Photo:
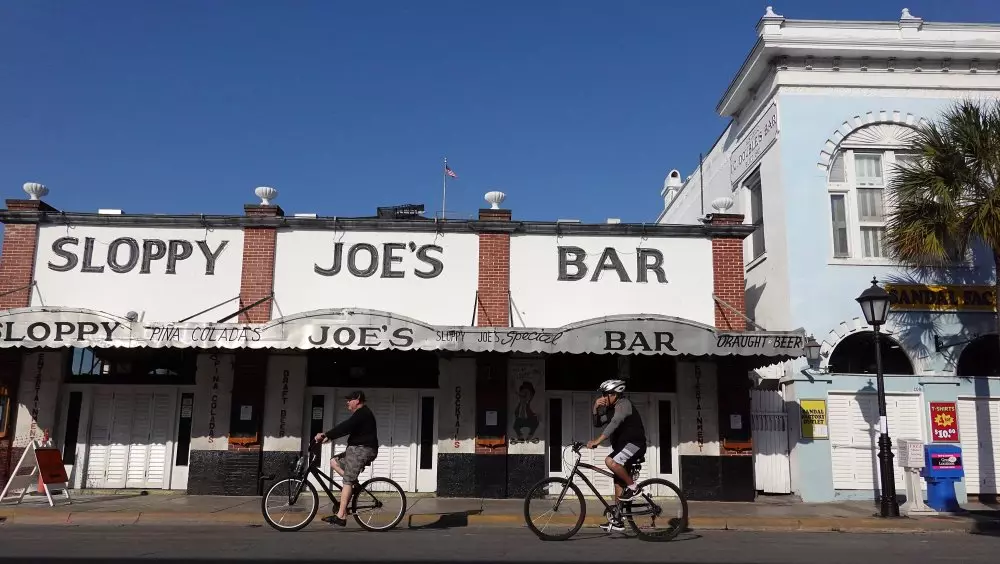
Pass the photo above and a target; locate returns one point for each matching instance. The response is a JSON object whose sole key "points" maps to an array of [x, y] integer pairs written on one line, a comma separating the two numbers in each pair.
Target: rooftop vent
{"points": [[405, 211]]}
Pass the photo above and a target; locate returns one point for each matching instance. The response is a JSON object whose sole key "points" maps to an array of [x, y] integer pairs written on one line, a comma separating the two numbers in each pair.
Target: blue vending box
{"points": [[942, 468]]}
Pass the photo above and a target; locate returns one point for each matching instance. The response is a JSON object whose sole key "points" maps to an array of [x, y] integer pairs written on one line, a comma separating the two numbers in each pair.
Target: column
{"points": [[283, 417], [17, 260]]}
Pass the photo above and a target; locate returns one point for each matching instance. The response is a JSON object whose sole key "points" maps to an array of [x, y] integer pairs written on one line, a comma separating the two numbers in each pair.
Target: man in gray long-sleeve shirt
{"points": [[625, 429]]}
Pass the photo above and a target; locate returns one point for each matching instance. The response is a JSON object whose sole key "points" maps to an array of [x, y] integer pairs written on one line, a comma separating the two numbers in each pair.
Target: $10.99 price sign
{"points": [[944, 422]]}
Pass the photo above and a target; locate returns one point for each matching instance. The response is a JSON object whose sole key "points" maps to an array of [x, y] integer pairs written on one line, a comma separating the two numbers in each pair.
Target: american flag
{"points": [[449, 172]]}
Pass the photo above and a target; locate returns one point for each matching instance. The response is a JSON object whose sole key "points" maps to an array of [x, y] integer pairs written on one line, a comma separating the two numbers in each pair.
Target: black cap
{"points": [[357, 394]]}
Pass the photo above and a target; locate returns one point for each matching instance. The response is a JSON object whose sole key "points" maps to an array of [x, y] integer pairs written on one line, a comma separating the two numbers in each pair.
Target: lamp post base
{"points": [[888, 504]]}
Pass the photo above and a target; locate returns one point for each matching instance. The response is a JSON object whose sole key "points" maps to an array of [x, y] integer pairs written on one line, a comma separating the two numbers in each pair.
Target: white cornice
{"points": [[908, 38]]}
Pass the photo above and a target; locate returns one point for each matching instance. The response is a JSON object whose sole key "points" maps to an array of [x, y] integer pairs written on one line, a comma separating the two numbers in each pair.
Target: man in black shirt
{"points": [[362, 449]]}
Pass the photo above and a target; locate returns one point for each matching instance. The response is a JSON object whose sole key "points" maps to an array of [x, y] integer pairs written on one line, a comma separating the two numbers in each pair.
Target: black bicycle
{"points": [[296, 495], [550, 495]]}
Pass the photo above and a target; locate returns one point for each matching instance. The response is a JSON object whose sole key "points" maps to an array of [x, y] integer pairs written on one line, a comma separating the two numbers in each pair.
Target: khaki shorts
{"points": [[353, 460]]}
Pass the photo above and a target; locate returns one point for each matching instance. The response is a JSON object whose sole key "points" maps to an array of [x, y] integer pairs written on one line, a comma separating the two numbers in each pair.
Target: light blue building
{"points": [[821, 111]]}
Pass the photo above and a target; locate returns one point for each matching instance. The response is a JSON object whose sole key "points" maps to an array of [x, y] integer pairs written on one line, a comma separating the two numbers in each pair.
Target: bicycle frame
{"points": [[617, 507], [314, 471]]}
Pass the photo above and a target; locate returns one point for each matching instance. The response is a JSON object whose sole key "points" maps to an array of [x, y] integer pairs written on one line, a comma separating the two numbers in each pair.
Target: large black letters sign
{"points": [[646, 261], [136, 254]]}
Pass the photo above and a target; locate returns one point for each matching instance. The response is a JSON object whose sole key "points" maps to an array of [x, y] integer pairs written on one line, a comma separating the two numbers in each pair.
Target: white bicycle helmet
{"points": [[612, 386]]}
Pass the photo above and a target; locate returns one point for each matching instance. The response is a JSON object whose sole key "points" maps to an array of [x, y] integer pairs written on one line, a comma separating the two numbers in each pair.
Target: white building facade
{"points": [[821, 112], [200, 353]]}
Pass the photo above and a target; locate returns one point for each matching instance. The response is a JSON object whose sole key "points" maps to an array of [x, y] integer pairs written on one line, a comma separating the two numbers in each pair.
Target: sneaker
{"points": [[628, 494], [334, 520], [613, 527]]}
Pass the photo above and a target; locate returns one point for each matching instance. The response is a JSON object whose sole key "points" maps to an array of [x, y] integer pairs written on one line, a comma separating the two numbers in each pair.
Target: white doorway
{"points": [[132, 431]]}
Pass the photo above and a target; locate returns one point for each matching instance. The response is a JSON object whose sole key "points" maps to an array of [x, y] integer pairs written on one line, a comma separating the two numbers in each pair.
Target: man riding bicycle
{"points": [[628, 439], [362, 449]]}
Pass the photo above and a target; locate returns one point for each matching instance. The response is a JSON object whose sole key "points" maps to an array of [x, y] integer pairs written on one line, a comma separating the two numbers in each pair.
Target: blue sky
{"points": [[574, 108]]}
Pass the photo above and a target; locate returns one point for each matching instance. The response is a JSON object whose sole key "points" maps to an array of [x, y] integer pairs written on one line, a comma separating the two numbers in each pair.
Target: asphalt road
{"points": [[223, 544]]}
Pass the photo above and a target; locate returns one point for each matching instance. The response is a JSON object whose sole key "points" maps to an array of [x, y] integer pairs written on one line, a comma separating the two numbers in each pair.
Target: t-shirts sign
{"points": [[944, 422]]}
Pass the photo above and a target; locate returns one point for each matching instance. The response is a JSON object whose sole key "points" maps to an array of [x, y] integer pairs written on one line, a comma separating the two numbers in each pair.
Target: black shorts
{"points": [[628, 453]]}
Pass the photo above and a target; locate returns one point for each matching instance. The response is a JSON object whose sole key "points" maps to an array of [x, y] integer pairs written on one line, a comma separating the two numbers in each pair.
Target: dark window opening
{"points": [[4, 410], [426, 433], [666, 438], [184, 429], [133, 366], [316, 415], [756, 215], [981, 357], [585, 372], [373, 369], [856, 355], [555, 434], [72, 427]]}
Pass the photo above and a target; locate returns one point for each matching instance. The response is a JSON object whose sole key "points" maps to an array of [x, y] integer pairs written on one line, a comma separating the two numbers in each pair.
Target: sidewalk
{"points": [[767, 514]]}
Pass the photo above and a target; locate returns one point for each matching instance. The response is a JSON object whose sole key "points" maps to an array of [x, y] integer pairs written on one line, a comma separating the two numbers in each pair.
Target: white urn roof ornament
{"points": [[266, 194], [34, 190], [495, 198], [722, 205]]}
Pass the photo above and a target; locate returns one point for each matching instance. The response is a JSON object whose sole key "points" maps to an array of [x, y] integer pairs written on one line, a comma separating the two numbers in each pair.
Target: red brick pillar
{"points": [[493, 306], [735, 466], [17, 259], [17, 272], [258, 263], [249, 380], [729, 282]]}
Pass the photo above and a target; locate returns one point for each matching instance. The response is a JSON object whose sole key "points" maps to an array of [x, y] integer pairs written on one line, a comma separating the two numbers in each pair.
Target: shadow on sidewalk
{"points": [[453, 520], [985, 521]]}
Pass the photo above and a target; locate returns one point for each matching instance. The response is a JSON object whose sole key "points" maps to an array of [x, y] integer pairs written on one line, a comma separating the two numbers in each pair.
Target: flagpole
{"points": [[444, 186]]}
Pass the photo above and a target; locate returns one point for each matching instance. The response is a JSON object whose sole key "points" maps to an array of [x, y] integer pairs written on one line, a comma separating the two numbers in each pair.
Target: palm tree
{"points": [[948, 198]]}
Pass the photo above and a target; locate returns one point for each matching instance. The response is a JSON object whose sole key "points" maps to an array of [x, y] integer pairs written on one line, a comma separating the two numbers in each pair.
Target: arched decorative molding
{"points": [[874, 128], [858, 325]]}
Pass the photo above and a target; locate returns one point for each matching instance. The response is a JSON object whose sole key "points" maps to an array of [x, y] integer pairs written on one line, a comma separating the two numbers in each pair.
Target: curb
{"points": [[42, 516]]}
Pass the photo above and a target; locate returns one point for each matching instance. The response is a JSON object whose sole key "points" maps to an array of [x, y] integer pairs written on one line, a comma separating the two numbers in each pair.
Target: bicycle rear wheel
{"points": [[545, 498], [292, 499], [659, 513], [378, 497]]}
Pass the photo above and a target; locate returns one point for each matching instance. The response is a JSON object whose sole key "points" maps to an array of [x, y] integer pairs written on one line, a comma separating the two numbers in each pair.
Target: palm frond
{"points": [[949, 197]]}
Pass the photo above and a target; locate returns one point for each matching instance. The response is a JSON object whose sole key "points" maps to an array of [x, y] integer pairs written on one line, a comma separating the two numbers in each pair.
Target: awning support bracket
{"points": [[190, 317], [737, 312], [475, 304], [8, 292], [247, 308]]}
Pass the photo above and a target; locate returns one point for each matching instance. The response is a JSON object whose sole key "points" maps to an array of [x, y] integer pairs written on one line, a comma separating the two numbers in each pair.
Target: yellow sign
{"points": [[919, 297], [814, 424]]}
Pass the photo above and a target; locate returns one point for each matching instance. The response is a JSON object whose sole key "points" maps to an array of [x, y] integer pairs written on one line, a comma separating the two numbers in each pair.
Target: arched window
{"points": [[859, 173], [856, 355], [981, 357]]}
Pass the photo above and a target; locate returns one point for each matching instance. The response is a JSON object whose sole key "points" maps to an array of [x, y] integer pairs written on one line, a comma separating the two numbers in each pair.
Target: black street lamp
{"points": [[812, 349], [875, 305]]}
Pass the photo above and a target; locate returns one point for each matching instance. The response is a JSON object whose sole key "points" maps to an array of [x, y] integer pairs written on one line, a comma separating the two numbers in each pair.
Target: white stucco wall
{"points": [[447, 298], [541, 299], [146, 284]]}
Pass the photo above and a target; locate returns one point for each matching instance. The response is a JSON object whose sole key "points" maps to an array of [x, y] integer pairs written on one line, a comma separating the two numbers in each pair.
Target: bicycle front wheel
{"points": [[290, 504], [556, 510], [659, 512], [378, 504]]}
